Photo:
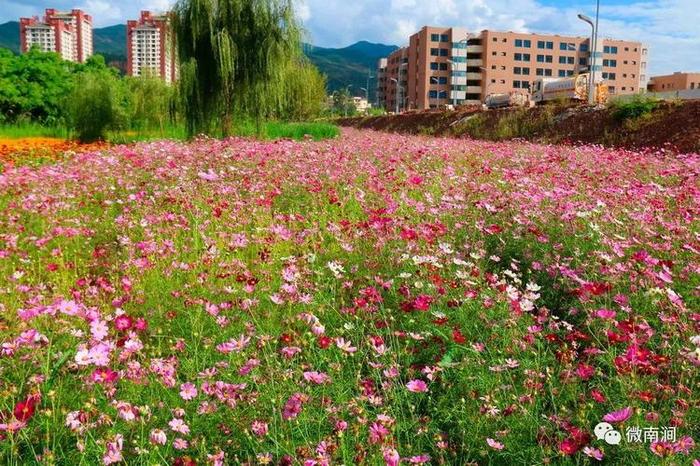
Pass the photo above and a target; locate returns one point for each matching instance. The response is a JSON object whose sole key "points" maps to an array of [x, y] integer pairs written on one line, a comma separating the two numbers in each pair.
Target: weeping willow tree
{"points": [[232, 54]]}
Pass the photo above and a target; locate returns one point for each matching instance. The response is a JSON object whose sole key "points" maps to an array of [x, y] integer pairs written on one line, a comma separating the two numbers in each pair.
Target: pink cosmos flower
{"points": [[179, 426], [180, 444], [593, 453], [259, 428], [318, 378], [114, 451], [188, 391], [123, 322], [419, 459], [605, 314], [158, 437], [618, 416], [391, 456], [496, 445], [417, 386]]}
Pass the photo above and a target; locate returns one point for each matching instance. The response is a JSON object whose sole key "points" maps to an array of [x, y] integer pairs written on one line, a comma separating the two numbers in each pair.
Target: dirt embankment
{"points": [[673, 126]]}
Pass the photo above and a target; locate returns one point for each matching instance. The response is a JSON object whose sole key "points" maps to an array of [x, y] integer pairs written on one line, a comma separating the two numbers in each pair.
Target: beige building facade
{"points": [[451, 66], [677, 81]]}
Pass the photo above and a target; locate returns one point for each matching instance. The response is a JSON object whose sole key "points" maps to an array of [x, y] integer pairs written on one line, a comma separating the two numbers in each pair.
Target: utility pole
{"points": [[591, 53]]}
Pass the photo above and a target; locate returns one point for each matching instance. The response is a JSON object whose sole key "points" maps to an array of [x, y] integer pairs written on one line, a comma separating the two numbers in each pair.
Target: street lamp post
{"points": [[591, 74], [366, 94], [399, 87]]}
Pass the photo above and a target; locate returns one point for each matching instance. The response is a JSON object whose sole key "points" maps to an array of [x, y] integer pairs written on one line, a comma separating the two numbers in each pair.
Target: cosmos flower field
{"points": [[374, 299]]}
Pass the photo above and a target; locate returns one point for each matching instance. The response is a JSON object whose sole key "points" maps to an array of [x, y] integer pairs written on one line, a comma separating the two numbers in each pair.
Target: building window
{"points": [[610, 49], [442, 80], [495, 39], [435, 52], [539, 72], [562, 73], [611, 89], [444, 52], [610, 63], [444, 38], [540, 58], [443, 66], [583, 61], [526, 71], [518, 42], [548, 59], [434, 66], [583, 48], [567, 46], [517, 70], [540, 44], [442, 95], [518, 57], [494, 53], [435, 37], [525, 43], [516, 84], [548, 72], [433, 94]]}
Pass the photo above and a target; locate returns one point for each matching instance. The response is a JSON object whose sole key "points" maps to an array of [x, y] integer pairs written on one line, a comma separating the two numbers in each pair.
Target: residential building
{"points": [[150, 47], [66, 33], [453, 66], [678, 81]]}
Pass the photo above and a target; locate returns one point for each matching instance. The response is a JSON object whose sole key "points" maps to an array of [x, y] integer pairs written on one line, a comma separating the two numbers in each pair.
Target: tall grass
{"points": [[266, 130], [32, 130], [285, 130]]}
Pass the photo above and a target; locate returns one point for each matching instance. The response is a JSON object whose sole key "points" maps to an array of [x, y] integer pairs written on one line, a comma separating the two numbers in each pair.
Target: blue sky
{"points": [[671, 28]]}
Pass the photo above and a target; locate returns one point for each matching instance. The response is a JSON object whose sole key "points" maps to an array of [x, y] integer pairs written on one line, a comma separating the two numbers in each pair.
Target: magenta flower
{"points": [[188, 391], [618, 416], [417, 386], [495, 444]]}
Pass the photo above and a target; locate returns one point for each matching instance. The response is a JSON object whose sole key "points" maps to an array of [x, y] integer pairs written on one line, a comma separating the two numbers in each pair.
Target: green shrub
{"points": [[93, 106], [636, 107]]}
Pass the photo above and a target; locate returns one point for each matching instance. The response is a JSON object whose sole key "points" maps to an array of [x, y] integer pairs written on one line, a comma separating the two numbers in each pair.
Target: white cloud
{"points": [[671, 28]]}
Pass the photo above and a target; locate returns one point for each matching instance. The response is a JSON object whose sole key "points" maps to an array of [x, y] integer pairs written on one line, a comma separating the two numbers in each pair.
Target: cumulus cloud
{"points": [[668, 27]]}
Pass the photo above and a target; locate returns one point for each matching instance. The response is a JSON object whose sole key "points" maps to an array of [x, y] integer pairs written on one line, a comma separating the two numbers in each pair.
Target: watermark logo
{"points": [[605, 431], [634, 434]]}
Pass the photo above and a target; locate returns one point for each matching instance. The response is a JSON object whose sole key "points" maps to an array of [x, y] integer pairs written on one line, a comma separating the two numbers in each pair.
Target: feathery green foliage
{"points": [[232, 54]]}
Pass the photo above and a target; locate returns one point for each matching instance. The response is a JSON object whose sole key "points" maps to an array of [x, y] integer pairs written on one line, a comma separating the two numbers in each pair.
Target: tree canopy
{"points": [[232, 55]]}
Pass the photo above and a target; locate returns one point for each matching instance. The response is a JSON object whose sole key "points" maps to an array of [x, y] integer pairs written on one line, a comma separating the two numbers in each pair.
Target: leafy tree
{"points": [[150, 103], [33, 86], [95, 105], [342, 103], [302, 91], [232, 53]]}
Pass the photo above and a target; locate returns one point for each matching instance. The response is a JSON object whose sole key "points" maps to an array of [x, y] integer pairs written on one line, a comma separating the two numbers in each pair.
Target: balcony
{"points": [[476, 49], [475, 62], [474, 76]]}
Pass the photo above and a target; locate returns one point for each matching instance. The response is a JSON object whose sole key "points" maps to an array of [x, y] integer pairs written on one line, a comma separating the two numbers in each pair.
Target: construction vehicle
{"points": [[569, 88], [503, 100]]}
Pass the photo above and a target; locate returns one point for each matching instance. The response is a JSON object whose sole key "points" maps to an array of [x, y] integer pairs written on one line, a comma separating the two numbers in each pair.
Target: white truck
{"points": [[503, 100], [570, 88]]}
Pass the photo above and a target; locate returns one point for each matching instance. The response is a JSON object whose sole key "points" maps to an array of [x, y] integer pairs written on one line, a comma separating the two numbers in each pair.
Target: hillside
{"points": [[9, 35], [346, 66], [349, 65]]}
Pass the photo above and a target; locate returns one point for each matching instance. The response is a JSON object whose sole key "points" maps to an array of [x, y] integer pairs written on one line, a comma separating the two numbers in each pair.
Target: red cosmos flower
{"points": [[123, 323], [598, 396], [457, 337], [184, 461], [569, 446], [493, 229], [324, 341], [585, 371], [422, 302], [416, 180], [104, 375], [24, 410], [141, 324]]}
